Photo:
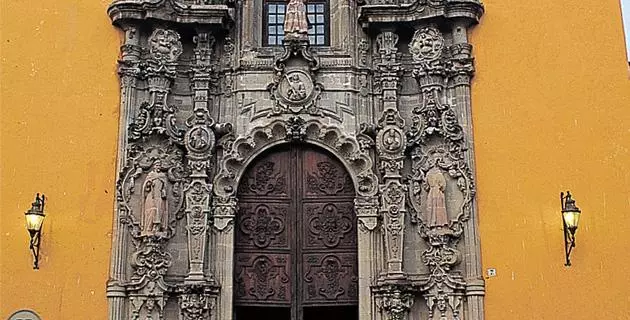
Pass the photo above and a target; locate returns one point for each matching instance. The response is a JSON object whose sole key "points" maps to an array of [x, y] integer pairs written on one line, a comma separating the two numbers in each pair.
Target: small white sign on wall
{"points": [[24, 315]]}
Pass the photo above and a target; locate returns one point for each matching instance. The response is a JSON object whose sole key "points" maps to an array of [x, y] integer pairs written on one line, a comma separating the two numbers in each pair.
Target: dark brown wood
{"points": [[296, 233]]}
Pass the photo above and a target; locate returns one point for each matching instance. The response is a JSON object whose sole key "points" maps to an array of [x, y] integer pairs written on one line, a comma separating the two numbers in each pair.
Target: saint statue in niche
{"points": [[155, 206], [295, 23], [436, 202]]}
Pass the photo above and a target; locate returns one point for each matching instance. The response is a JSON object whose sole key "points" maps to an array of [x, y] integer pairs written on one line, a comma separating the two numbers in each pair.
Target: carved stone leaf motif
{"points": [[262, 279], [330, 225], [262, 225], [328, 180], [265, 179], [330, 278], [164, 45], [150, 262]]}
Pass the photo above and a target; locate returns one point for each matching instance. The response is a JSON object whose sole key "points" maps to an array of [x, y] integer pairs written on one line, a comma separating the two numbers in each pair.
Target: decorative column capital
{"points": [[224, 211]]}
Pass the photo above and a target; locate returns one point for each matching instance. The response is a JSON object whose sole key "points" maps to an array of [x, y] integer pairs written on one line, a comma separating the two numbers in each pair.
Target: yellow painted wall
{"points": [[551, 103], [59, 121], [551, 107]]}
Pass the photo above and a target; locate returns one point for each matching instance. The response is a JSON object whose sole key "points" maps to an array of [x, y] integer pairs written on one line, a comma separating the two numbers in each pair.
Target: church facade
{"points": [[240, 159], [317, 162]]}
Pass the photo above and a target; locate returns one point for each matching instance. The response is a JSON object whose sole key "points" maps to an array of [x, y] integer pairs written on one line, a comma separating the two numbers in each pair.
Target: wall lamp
{"points": [[34, 220], [570, 219]]}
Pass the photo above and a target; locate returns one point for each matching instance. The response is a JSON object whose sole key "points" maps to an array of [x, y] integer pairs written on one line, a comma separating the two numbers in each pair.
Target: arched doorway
{"points": [[296, 238]]}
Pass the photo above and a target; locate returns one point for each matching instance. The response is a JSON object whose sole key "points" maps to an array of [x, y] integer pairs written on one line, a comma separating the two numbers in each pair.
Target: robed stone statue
{"points": [[155, 206], [295, 23]]}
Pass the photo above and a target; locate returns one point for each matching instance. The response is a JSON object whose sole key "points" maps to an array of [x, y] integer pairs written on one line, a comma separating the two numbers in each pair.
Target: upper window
{"points": [[318, 22]]}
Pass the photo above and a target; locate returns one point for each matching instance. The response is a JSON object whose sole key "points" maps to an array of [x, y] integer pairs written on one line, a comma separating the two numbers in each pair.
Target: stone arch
{"points": [[351, 151], [345, 148]]}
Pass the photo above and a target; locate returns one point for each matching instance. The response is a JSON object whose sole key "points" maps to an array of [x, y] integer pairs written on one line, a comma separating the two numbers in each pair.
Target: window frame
{"points": [[266, 25]]}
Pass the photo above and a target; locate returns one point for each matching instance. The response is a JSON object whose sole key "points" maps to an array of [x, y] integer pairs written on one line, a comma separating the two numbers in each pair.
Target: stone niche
{"points": [[202, 98]]}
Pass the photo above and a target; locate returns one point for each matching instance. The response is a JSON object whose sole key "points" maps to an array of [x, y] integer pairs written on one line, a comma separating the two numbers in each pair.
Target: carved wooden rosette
{"points": [[441, 183]]}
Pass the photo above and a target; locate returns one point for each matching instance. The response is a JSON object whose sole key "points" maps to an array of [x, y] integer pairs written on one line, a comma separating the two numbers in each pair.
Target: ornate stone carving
{"points": [[149, 191], [375, 13], [364, 48], [294, 91], [164, 45], [296, 129], [390, 145], [394, 300], [427, 44], [148, 289], [441, 189], [259, 138], [197, 301]]}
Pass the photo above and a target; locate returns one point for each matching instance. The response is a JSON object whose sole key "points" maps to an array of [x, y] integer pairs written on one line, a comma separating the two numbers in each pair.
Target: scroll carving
{"points": [[246, 147], [441, 189]]}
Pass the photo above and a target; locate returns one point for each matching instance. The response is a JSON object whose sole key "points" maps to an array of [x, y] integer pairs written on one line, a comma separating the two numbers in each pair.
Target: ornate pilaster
{"points": [[129, 72], [224, 212], [390, 146], [199, 141], [442, 187], [366, 209]]}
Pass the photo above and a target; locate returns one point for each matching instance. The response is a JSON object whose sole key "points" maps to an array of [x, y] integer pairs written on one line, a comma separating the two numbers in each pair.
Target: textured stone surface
{"points": [[390, 98]]}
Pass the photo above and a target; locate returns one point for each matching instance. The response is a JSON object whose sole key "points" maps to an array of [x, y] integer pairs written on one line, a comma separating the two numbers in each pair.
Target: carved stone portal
{"points": [[296, 176]]}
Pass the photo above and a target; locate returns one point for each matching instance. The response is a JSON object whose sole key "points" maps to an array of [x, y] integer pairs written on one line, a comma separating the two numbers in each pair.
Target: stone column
{"points": [[367, 213], [128, 71], [390, 145], [462, 71], [224, 211]]}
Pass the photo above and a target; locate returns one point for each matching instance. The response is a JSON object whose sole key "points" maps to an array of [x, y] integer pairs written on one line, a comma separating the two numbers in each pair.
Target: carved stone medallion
{"points": [[164, 45], [427, 44], [200, 139], [296, 88]]}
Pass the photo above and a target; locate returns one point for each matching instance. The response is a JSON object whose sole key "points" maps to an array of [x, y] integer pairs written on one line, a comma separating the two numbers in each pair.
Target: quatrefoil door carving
{"points": [[262, 225], [296, 237]]}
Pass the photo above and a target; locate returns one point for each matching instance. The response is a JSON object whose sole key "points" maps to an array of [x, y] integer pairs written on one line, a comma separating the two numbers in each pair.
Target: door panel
{"points": [[296, 233]]}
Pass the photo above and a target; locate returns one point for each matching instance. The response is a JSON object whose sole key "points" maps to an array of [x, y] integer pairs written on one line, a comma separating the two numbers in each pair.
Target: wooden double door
{"points": [[296, 238]]}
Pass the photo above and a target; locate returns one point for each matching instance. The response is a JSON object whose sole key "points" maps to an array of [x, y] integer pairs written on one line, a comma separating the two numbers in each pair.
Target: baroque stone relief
{"points": [[245, 148]]}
